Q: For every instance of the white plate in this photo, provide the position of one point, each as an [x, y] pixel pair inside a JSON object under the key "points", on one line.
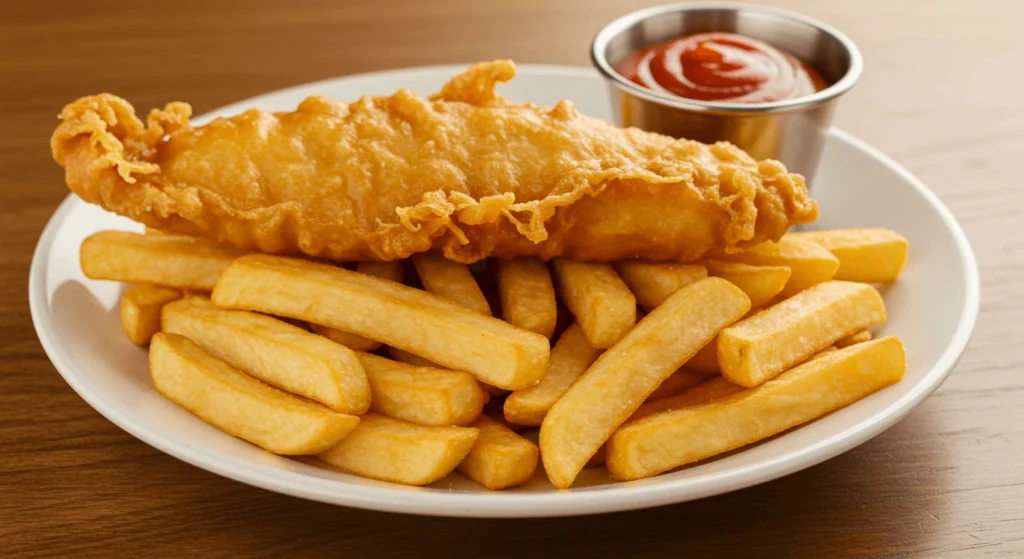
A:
{"points": [[932, 308]]}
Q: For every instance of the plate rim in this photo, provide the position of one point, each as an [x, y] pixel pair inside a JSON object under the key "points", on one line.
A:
{"points": [[511, 504]]}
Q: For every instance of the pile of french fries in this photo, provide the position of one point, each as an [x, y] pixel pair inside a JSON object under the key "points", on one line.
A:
{"points": [[653, 365]]}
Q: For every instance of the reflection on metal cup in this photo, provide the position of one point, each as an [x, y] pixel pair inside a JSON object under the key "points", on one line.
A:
{"points": [[792, 131]]}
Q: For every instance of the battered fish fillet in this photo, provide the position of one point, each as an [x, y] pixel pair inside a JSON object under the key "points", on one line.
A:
{"points": [[465, 172]]}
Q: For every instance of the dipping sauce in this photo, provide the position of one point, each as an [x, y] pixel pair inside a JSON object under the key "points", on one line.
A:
{"points": [[722, 67]]}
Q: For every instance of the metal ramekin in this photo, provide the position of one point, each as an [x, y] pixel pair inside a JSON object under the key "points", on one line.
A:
{"points": [[792, 131]]}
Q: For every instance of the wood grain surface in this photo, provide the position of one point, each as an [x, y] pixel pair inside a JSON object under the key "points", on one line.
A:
{"points": [[941, 94]]}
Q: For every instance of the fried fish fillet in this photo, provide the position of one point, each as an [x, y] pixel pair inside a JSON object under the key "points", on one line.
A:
{"points": [[465, 172]]}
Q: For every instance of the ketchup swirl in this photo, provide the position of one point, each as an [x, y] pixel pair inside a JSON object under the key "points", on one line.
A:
{"points": [[722, 67]]}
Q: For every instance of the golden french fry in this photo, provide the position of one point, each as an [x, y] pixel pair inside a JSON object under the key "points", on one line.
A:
{"points": [[355, 342], [168, 260], [411, 358], [422, 395], [681, 380], [500, 458], [140, 310], [152, 231], [757, 348], [702, 393], [571, 356], [809, 262], [240, 405], [400, 316], [652, 282], [707, 391], [603, 306], [867, 255], [760, 283], [401, 452], [859, 337], [527, 294], [624, 376], [667, 440], [273, 351], [451, 280], [392, 271]]}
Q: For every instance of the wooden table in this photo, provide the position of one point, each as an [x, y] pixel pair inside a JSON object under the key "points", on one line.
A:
{"points": [[941, 94]]}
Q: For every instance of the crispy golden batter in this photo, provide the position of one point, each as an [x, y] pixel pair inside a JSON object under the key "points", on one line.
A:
{"points": [[464, 171]]}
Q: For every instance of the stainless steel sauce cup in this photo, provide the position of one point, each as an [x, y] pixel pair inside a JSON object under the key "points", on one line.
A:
{"points": [[792, 131]]}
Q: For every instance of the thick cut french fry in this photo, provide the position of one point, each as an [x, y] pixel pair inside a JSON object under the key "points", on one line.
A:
{"points": [[419, 322], [451, 280], [273, 351], [140, 310], [239, 404], [866, 255], [571, 356], [355, 342], [500, 458], [703, 393], [652, 282], [624, 376], [411, 358], [859, 337], [809, 262], [401, 452], [757, 348], [168, 260], [603, 306], [662, 441], [391, 271], [422, 395], [681, 380], [760, 283], [527, 294]]}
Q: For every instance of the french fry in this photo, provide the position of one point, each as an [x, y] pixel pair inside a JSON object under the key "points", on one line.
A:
{"points": [[391, 271], [682, 379], [401, 452], [707, 391], [809, 262], [168, 260], [757, 348], [652, 282], [140, 310], [152, 231], [239, 404], [422, 323], [866, 255], [527, 294], [603, 306], [411, 359], [500, 458], [859, 337], [663, 441], [451, 280], [624, 376], [571, 356], [422, 395], [702, 393], [274, 352], [760, 283], [355, 342]]}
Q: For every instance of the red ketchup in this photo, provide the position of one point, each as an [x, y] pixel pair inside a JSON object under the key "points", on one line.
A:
{"points": [[721, 67]]}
